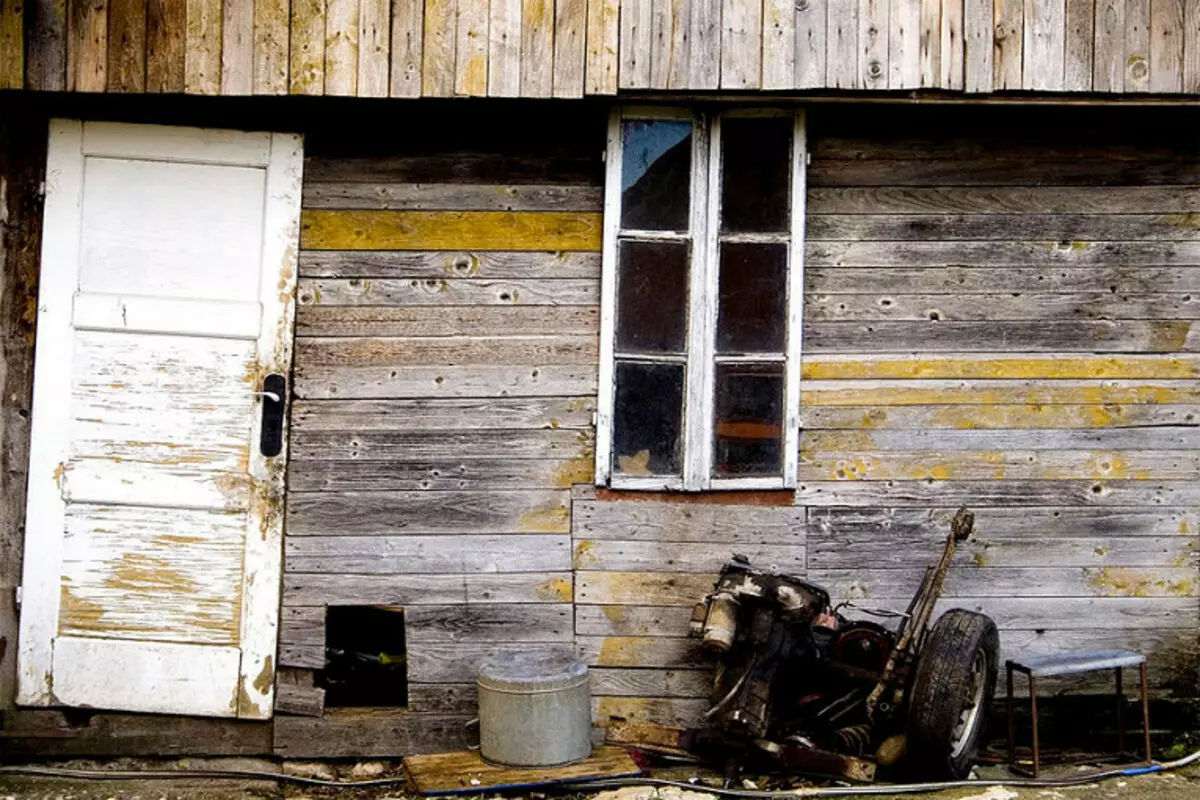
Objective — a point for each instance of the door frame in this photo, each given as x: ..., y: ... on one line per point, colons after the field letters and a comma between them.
x: 70, y: 143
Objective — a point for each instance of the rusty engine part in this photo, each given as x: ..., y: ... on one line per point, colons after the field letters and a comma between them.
x: 799, y: 685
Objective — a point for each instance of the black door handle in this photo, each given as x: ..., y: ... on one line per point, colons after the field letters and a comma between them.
x: 274, y: 398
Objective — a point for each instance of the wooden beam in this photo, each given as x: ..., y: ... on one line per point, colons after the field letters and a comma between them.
x: 46, y: 54
x: 408, y: 30
x: 237, y: 47
x: 307, y: 64
x: 202, y: 62
x: 166, y: 45
x: 271, y: 32
x: 127, y: 46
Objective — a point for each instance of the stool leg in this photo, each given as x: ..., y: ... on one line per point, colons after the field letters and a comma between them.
x: 1120, y: 714
x: 1146, y: 710
x: 1034, y: 710
x: 1012, y: 737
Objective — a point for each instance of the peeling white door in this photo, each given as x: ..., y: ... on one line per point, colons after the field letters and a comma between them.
x: 154, y: 519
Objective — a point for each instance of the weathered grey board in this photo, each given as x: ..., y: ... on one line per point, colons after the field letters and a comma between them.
x: 821, y: 307
x: 449, y: 321
x: 651, y: 682
x: 548, y: 380
x: 452, y: 351
x: 444, y: 554
x: 443, y: 291
x: 369, y: 733
x: 380, y: 513
x: 467, y: 474
x: 1045, y: 390
x: 450, y: 698
x: 354, y: 590
x: 839, y: 551
x: 978, y: 279
x: 1020, y: 521
x: 452, y: 196
x: 852, y: 464
x: 688, y: 522
x: 654, y: 556
x: 1123, y: 336
x: 506, y: 413
x: 442, y: 444
x: 1052, y: 253
x: 643, y: 651
x: 459, y: 662
x: 41, y: 734
x: 442, y: 264
x: 547, y: 622
x: 456, y: 167
x: 1159, y: 581
x: 998, y: 416
x: 1002, y: 493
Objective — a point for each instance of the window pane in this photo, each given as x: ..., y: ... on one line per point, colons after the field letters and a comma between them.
x: 749, y: 428
x: 656, y: 174
x: 756, y: 173
x: 648, y: 419
x: 752, y: 298
x: 652, y: 296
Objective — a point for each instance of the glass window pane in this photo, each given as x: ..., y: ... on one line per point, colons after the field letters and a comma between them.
x: 648, y: 419
x: 749, y: 425
x: 652, y: 296
x: 656, y: 174
x: 756, y: 174
x: 752, y: 298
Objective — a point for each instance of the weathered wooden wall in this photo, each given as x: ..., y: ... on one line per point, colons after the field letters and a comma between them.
x: 569, y: 48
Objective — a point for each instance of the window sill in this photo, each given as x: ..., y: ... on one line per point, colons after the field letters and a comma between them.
x: 716, y: 496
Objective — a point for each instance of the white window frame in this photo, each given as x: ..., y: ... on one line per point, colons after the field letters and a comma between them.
x: 701, y: 359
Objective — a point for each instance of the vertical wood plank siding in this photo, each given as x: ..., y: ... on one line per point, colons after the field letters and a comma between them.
x: 567, y: 48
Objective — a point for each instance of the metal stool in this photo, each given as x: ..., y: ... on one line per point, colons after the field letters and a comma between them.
x: 1074, y: 664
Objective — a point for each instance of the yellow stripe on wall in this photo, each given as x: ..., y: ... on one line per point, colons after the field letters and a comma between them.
x: 1002, y: 368
x: 449, y: 230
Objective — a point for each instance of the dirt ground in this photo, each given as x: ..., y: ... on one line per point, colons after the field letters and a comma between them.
x: 1181, y: 785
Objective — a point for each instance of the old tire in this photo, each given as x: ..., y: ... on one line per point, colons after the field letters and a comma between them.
x: 951, y: 694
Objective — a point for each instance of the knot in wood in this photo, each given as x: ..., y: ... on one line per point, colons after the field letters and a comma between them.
x: 802, y: 5
x: 874, y: 69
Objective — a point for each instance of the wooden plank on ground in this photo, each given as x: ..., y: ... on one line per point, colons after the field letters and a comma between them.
x: 46, y: 55
x: 270, y: 67
x: 602, y: 61
x: 570, y: 30
x: 779, y: 44
x: 51, y: 734
x: 741, y: 45
x: 1080, y: 45
x: 87, y: 46
x: 1137, y: 46
x: 438, y: 51
x: 307, y: 64
x: 537, y: 48
x: 635, y: 44
x: 504, y: 49
x: 471, y: 48
x: 1166, y: 46
x: 126, y: 45
x: 466, y: 772
x: 408, y: 31
x: 841, y: 42
x: 1044, y: 46
x: 978, y: 36
x: 237, y: 47
x: 704, y: 44
x: 811, y: 56
x: 1007, y: 56
x: 440, y: 230
x: 202, y: 62
x: 374, y: 50
x: 341, y: 47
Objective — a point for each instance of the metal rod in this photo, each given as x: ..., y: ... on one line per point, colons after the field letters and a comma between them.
x: 1120, y: 713
x: 1012, y: 725
x: 1034, y: 710
x: 1146, y: 710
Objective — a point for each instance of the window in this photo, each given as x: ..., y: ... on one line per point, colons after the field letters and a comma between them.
x: 702, y: 300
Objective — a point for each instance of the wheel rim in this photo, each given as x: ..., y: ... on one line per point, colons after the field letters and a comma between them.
x: 971, y: 714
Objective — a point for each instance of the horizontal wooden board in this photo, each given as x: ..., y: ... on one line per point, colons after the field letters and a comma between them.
x: 997, y: 254
x: 403, y: 555
x: 449, y: 230
x: 1032, y: 522
x: 1010, y: 613
x: 1000, y: 307
x: 1008, y: 366
x: 999, y: 465
x: 1169, y: 438
x: 651, y: 682
x: 446, y: 320
x: 450, y: 166
x: 303, y: 625
x: 452, y: 196
x: 465, y: 771
x: 996, y: 392
x: 1002, y: 227
x: 457, y: 698
x: 859, y: 583
x: 459, y: 662
x: 396, y: 513
x: 977, y: 278
x: 1126, y: 336
x: 998, y: 417
x: 357, y: 590
x: 452, y: 350
x: 636, y: 520
x: 444, y: 381
x: 838, y: 550
x: 502, y: 413
x: 1002, y: 200
x: 367, y: 733
x: 656, y: 556
x: 54, y: 734
x: 658, y: 588
x: 1000, y: 493
x: 563, y: 444
x: 404, y: 292
x: 418, y: 264
x: 468, y: 474
x: 537, y: 622
x: 674, y: 712
x: 1003, y: 168
x: 643, y: 651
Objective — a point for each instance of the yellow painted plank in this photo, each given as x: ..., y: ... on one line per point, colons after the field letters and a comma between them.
x: 449, y: 230
x: 851, y: 465
x: 936, y: 393
x: 997, y: 417
x: 1003, y: 368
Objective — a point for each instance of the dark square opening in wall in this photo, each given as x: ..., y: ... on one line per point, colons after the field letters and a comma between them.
x: 366, y: 657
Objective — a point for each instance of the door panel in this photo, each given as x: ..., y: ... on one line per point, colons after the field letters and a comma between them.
x: 154, y: 522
